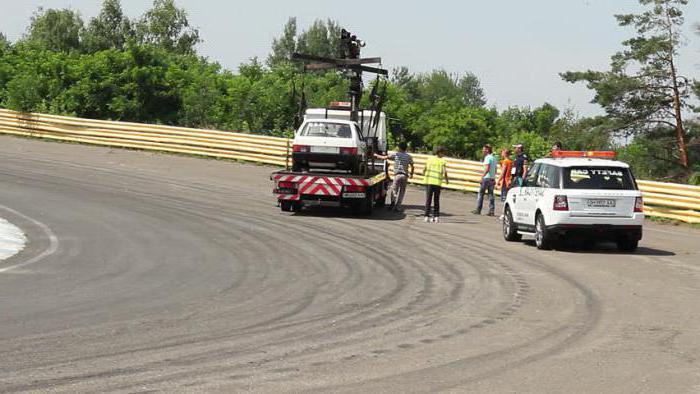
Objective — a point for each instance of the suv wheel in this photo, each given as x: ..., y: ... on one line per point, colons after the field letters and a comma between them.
x: 510, y: 231
x: 542, y: 237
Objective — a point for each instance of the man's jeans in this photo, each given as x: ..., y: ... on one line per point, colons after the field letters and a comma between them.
x: 398, y: 189
x: 432, y: 194
x: 487, y: 185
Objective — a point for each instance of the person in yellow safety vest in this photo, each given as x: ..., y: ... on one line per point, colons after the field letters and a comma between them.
x: 434, y: 174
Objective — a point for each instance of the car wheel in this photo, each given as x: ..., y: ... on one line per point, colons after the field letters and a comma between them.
x: 542, y: 238
x: 510, y: 231
x: 627, y: 244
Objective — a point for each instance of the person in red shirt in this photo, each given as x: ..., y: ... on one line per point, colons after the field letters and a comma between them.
x: 503, y: 181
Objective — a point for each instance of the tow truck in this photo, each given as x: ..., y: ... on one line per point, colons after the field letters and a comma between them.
x: 329, y: 166
x: 337, y: 185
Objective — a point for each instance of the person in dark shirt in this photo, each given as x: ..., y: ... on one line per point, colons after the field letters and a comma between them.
x: 519, y: 166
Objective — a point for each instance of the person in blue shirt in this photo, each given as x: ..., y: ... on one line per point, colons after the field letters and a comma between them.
x: 488, y: 181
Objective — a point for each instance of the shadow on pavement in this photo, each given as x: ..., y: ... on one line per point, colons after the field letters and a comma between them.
x: 338, y: 212
x: 605, y: 247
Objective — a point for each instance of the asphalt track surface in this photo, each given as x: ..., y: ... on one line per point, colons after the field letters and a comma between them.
x: 152, y: 272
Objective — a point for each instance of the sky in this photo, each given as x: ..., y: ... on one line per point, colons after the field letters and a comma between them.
x: 516, y: 48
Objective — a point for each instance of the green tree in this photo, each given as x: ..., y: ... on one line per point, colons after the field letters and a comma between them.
x: 166, y: 26
x: 4, y: 42
x: 55, y: 30
x: 577, y: 133
x: 24, y: 93
x: 109, y: 30
x: 643, y: 89
x: 696, y: 86
x: 472, y: 92
x: 284, y: 46
x: 460, y: 129
x: 322, y: 38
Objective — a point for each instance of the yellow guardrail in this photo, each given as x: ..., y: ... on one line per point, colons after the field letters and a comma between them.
x: 661, y: 199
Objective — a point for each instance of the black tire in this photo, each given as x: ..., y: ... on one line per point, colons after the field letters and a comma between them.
x: 381, y: 202
x: 542, y: 238
x: 368, y: 203
x: 510, y: 230
x: 286, y: 206
x: 627, y: 245
x: 296, y: 206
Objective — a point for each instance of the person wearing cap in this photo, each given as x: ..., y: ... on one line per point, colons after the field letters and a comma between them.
x: 434, y: 173
x: 488, y: 181
x: 402, y: 162
x: 519, y: 166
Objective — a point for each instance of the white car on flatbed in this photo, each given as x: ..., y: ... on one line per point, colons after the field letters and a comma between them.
x: 329, y: 140
x: 576, y: 194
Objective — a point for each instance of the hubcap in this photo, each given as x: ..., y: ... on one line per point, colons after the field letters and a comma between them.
x: 506, y: 224
x: 538, y: 232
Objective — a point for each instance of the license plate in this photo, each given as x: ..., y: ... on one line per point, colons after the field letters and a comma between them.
x: 353, y: 195
x: 324, y: 149
x: 285, y: 191
x: 601, y: 203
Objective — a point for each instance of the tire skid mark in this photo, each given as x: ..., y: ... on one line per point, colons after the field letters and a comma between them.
x: 567, y: 334
x: 382, y: 310
x: 378, y: 351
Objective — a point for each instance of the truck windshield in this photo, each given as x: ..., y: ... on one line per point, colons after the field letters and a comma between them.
x: 326, y: 129
x: 606, y: 178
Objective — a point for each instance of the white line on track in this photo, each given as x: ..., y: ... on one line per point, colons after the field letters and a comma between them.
x: 53, y: 242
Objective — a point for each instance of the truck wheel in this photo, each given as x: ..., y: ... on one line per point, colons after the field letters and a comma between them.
x: 368, y: 203
x: 542, y: 238
x: 286, y: 206
x: 296, y: 206
x: 627, y: 244
x: 381, y: 202
x: 510, y: 231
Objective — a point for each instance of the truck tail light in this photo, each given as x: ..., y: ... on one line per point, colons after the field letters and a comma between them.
x: 348, y: 151
x: 561, y: 203
x: 639, y: 205
x: 301, y: 148
x: 287, y: 185
x: 354, y: 189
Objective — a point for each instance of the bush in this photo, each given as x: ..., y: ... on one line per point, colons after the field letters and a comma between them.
x: 694, y: 178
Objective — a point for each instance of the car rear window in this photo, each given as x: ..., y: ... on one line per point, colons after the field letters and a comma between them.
x: 325, y: 129
x: 606, y: 178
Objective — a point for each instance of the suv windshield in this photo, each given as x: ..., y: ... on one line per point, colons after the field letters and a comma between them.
x: 606, y: 178
x: 326, y: 129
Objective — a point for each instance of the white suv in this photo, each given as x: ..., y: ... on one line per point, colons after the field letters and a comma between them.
x: 588, y: 196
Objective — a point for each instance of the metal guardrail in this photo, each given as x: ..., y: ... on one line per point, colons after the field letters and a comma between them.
x: 668, y: 200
